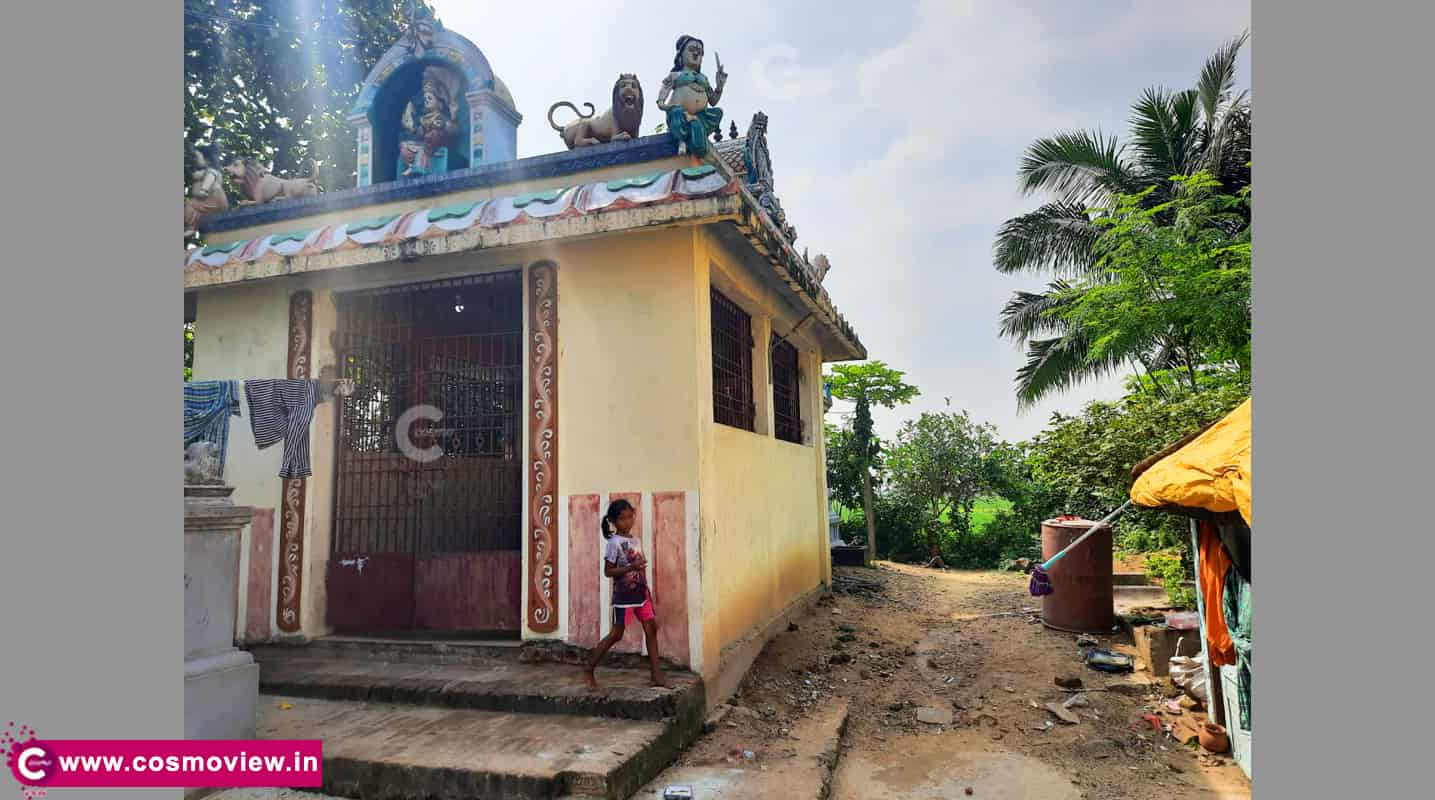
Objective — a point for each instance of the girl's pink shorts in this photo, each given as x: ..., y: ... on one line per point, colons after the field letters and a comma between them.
x: 622, y: 617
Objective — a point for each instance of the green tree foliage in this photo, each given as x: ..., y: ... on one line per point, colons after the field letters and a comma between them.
x: 1085, y: 174
x: 939, y: 460
x: 1085, y: 460
x: 865, y: 384
x: 1016, y: 532
x: 1172, y: 569
x: 1177, y: 274
x: 275, y: 79
x: 845, y: 461
x: 898, y: 524
x: 873, y: 380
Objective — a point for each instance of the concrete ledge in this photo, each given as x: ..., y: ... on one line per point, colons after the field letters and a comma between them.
x: 196, y: 667
x: 222, y: 703
x: 441, y: 652
x: 391, y: 651
x: 510, y: 688
x: 395, y: 752
x: 737, y: 657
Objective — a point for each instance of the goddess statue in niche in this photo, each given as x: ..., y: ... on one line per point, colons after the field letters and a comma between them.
x: 428, y: 129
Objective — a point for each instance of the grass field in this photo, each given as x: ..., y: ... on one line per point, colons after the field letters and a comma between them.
x: 982, y: 512
x: 985, y: 509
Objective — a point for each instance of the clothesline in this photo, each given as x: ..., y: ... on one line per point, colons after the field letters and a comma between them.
x: 336, y: 383
x: 241, y: 380
x: 280, y: 409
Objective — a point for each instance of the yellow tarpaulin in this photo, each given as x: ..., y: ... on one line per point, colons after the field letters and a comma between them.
x: 1212, y: 472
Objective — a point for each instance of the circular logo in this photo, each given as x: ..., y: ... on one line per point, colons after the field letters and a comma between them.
x: 403, y: 434
x: 34, y: 763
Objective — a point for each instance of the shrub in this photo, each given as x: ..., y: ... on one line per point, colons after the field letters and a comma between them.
x: 1014, y: 535
x: 899, y: 528
x: 1170, y: 567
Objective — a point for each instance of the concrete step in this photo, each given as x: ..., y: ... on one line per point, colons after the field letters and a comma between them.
x: 418, y: 650
x: 407, y: 651
x: 1130, y: 579
x: 502, y: 687
x: 1129, y: 598
x: 380, y: 751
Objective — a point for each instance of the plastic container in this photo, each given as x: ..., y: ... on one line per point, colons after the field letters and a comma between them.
x: 1183, y: 621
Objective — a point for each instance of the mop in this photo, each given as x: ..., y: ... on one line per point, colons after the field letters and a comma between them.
x: 1040, y: 581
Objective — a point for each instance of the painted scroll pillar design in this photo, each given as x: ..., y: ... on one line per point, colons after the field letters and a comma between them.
x: 542, y: 538
x: 292, y: 500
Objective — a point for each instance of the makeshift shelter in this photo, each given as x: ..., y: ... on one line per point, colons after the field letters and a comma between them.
x: 1207, y: 477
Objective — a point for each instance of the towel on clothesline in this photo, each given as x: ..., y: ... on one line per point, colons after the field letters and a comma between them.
x: 208, y: 405
x: 281, y: 409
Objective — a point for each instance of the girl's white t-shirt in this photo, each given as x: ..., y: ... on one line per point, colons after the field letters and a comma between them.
x: 631, y: 588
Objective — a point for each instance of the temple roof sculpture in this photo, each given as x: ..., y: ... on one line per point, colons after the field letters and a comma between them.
x: 432, y: 104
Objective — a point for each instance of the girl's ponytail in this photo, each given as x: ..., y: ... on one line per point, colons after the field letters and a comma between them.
x: 607, y: 529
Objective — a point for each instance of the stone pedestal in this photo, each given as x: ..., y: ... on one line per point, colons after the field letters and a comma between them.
x: 221, y: 682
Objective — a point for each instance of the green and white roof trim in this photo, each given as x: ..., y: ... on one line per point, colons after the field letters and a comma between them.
x: 673, y: 186
x: 629, y: 203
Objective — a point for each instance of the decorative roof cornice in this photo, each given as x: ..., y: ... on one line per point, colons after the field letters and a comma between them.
x: 272, y: 255
x: 568, y: 162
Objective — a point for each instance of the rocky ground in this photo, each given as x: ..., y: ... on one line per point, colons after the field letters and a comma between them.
x: 948, y: 675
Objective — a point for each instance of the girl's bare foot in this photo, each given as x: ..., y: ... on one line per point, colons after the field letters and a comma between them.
x: 659, y: 680
x: 589, y: 679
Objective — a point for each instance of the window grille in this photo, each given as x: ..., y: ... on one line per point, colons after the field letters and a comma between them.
x: 786, y: 399
x: 732, y: 364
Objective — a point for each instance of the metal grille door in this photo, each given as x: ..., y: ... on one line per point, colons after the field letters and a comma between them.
x: 428, y: 495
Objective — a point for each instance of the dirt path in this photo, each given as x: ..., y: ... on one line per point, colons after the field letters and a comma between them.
x: 958, y: 642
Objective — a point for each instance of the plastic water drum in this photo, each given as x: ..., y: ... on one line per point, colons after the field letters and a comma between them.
x: 1084, y: 597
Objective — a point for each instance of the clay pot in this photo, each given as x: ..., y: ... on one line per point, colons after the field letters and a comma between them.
x: 1214, y: 739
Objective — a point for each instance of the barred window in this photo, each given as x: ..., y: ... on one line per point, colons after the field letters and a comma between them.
x: 732, y: 364
x: 786, y: 400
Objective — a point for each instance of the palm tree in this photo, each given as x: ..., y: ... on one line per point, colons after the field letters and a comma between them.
x: 1171, y: 133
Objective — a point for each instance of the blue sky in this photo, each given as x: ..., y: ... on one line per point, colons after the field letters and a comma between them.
x: 895, y: 138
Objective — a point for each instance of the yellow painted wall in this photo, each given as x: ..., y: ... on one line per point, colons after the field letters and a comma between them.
x: 635, y: 408
x: 763, y: 527
x: 627, y: 418
x: 627, y: 334
x: 763, y: 515
x: 243, y: 333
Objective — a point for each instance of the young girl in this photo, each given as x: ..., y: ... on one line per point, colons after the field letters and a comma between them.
x: 624, y: 563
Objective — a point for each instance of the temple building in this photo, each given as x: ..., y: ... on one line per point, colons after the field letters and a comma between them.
x: 504, y: 346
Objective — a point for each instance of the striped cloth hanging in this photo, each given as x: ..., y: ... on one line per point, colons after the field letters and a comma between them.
x: 281, y: 409
x: 208, y: 405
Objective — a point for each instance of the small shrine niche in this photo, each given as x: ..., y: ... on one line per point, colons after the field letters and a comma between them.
x: 431, y: 105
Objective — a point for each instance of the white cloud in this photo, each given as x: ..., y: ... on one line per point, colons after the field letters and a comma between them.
x: 897, y: 159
